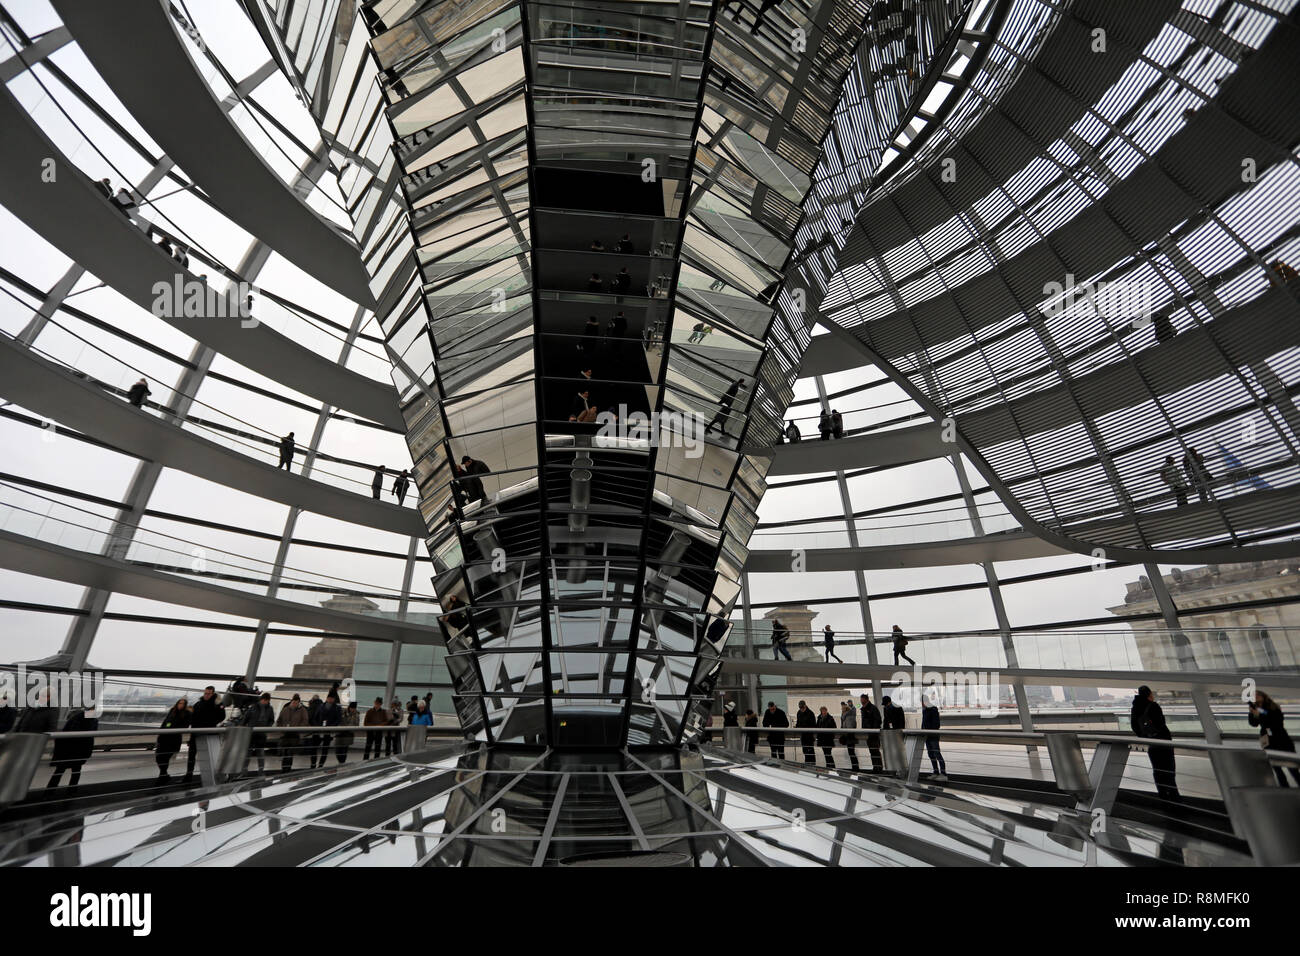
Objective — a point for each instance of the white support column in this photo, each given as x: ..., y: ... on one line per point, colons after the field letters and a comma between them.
x: 860, y: 578
x: 1201, y: 698
x: 751, y: 680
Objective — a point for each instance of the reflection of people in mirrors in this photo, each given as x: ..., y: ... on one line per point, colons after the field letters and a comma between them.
x: 594, y: 284
x: 624, y: 245
x: 472, y: 483
x: 590, y: 333
x: 597, y: 246
x: 622, y: 281
x: 724, y: 406
x: 583, y: 411
x: 618, y: 326
x: 1268, y: 717
x: 698, y: 333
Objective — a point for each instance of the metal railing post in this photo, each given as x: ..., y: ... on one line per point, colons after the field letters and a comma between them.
x: 1105, y: 774
x: 416, y: 735
x: 893, y: 752
x: 234, y: 752
x: 209, y: 758
x: 1068, y: 766
x: 1268, y: 819
x: 1201, y: 698
x: 915, y: 745
x: 1237, y: 770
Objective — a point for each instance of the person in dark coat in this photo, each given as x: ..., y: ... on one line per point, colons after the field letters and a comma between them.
x: 376, y: 716
x: 168, y: 745
x: 311, y: 743
x: 393, y: 739
x: 1197, y: 473
x: 473, y: 483
x: 894, y: 718
x: 138, y: 393
x: 780, y: 634
x: 824, y: 425
x: 774, y: 716
x: 827, y: 740
x: 729, y: 716
x: 71, y: 753
x: 1148, y: 721
x: 849, y: 721
x: 900, y: 646
x: 328, y: 714
x: 617, y: 327
x: 837, y: 424
x: 41, y: 719
x: 751, y: 740
x: 828, y: 642
x: 400, y: 486
x: 456, y: 619
x: 287, y: 447
x: 350, y: 717
x: 871, y: 721
x: 258, y: 714
x: 1173, y: 477
x: 377, y: 483
x: 719, y: 420
x: 207, y: 712
x: 1267, y: 716
x: 292, y: 714
x: 930, y: 721
x: 806, y: 718
x: 8, y: 714
x: 792, y: 434
x: 590, y: 335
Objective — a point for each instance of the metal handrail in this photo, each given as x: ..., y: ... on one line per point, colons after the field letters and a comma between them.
x: 1027, y: 736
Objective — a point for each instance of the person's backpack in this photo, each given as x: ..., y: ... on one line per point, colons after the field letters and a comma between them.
x: 1146, y: 724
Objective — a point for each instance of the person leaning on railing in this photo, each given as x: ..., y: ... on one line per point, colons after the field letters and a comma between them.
x: 343, y: 740
x: 421, y: 717
x: 169, y: 745
x: 70, y: 753
x: 376, y: 716
x: 871, y: 720
x: 259, y: 714
x: 1147, y: 719
x: 1267, y: 716
x: 393, y: 739
x: 208, y: 711
x: 293, y: 714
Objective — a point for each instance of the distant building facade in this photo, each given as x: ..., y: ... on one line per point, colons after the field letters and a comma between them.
x: 421, y: 668
x: 1240, y: 638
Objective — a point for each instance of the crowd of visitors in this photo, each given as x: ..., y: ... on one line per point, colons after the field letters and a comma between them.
x: 318, y: 729
x: 830, y: 425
